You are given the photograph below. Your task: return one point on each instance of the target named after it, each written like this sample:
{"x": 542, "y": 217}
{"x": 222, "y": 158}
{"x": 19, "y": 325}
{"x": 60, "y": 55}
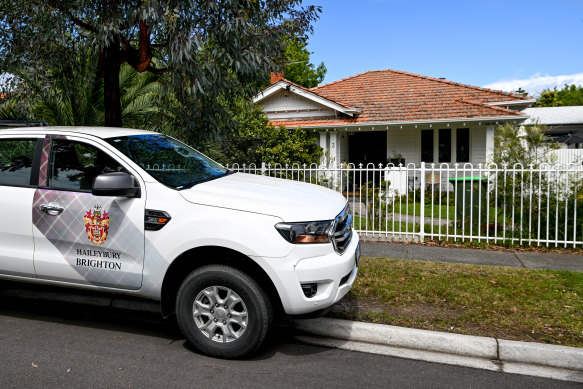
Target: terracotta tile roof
{"x": 396, "y": 96}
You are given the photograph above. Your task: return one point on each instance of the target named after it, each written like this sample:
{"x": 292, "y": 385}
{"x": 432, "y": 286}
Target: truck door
{"x": 81, "y": 238}
{"x": 17, "y": 189}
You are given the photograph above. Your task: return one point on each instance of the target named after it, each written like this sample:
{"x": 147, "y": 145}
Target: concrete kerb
{"x": 551, "y": 361}
{"x": 542, "y": 360}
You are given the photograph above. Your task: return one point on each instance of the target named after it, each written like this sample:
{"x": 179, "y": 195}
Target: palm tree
{"x": 10, "y": 110}
{"x": 76, "y": 98}
{"x": 140, "y": 93}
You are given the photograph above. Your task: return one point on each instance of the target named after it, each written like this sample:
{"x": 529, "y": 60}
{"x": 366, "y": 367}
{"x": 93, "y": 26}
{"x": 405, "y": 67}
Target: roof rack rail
{"x": 22, "y": 123}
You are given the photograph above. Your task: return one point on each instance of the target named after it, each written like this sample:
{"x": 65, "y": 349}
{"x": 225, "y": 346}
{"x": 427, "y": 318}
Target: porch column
{"x": 490, "y": 130}
{"x": 324, "y": 146}
{"x": 334, "y": 147}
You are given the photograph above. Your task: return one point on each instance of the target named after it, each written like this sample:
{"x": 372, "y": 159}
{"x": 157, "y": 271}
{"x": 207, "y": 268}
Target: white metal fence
{"x": 461, "y": 202}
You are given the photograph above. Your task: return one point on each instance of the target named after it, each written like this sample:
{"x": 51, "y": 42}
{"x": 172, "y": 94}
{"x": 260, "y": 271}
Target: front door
{"x": 81, "y": 238}
{"x": 368, "y": 147}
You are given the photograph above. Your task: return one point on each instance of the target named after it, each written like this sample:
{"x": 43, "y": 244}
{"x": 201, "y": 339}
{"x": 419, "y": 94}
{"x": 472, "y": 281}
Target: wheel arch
{"x": 197, "y": 257}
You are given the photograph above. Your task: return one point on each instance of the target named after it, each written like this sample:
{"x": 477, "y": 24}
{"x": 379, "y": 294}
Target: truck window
{"x": 16, "y": 157}
{"x": 169, "y": 161}
{"x": 74, "y": 165}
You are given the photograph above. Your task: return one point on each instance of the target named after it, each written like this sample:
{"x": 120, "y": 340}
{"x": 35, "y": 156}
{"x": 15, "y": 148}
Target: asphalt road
{"x": 59, "y": 344}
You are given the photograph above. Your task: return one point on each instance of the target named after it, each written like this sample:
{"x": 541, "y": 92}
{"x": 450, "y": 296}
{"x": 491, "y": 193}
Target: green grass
{"x": 360, "y": 224}
{"x": 399, "y": 227}
{"x": 415, "y": 209}
{"x": 522, "y": 304}
{"x": 447, "y": 211}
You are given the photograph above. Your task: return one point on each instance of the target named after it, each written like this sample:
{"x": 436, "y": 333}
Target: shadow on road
{"x": 52, "y": 304}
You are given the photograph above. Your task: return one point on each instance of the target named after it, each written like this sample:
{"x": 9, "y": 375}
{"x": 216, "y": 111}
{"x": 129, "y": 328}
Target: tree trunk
{"x": 111, "y": 93}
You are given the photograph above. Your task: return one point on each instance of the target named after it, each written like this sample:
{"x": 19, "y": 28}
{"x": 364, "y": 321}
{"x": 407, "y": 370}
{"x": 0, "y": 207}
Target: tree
{"x": 76, "y": 98}
{"x": 298, "y": 67}
{"x": 569, "y": 95}
{"x": 72, "y": 97}
{"x": 207, "y": 48}
{"x": 525, "y": 146}
{"x": 10, "y": 110}
{"x": 255, "y": 140}
{"x": 520, "y": 92}
{"x": 520, "y": 190}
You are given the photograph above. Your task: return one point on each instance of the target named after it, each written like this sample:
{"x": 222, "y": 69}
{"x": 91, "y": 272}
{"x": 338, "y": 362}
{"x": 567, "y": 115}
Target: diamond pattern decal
{"x": 118, "y": 261}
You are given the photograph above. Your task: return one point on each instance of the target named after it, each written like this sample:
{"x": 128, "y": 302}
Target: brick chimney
{"x": 276, "y": 77}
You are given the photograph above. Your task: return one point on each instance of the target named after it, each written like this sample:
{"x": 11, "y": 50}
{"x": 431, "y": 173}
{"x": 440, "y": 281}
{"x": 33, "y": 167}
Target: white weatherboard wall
{"x": 405, "y": 142}
{"x": 287, "y": 105}
{"x": 478, "y": 145}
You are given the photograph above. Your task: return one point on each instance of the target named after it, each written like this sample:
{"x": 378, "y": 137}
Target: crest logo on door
{"x": 96, "y": 225}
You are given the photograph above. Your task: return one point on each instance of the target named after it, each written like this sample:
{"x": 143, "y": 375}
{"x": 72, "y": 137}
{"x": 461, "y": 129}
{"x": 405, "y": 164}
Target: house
{"x": 393, "y": 116}
{"x": 565, "y": 124}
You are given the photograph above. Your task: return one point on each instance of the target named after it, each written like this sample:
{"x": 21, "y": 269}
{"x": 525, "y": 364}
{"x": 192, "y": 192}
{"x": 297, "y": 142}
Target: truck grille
{"x": 342, "y": 230}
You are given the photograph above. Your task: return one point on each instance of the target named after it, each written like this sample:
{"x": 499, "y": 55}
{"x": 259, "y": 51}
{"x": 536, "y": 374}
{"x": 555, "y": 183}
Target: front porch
{"x": 439, "y": 143}
{"x": 402, "y": 149}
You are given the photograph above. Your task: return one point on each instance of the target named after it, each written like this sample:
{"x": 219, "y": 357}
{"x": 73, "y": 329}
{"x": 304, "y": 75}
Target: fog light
{"x": 310, "y": 289}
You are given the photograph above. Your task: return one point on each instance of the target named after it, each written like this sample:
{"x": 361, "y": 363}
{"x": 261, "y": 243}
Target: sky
{"x": 501, "y": 44}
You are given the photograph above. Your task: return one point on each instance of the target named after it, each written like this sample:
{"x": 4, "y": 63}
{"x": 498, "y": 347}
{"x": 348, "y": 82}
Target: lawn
{"x": 388, "y": 225}
{"x": 521, "y": 304}
{"x": 447, "y": 212}
{"x": 385, "y": 225}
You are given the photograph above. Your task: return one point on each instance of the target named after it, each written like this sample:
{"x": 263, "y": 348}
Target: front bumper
{"x": 318, "y": 264}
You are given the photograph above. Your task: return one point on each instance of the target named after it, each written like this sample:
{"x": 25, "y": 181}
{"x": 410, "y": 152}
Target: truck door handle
{"x": 52, "y": 209}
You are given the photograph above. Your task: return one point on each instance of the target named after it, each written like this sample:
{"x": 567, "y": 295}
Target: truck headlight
{"x": 311, "y": 232}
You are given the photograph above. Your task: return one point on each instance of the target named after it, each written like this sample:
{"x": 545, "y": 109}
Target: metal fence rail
{"x": 523, "y": 205}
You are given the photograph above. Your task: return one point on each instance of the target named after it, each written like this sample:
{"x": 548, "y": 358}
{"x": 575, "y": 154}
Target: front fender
{"x": 250, "y": 234}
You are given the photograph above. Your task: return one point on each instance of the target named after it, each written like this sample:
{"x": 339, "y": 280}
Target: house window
{"x": 444, "y": 148}
{"x": 426, "y": 145}
{"x": 462, "y": 145}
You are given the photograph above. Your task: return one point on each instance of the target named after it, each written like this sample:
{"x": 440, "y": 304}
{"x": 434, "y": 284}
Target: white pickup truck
{"x": 140, "y": 213}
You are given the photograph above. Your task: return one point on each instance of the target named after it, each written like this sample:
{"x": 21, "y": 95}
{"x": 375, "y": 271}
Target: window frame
{"x": 87, "y": 142}
{"x": 453, "y": 144}
{"x": 432, "y": 149}
{"x": 441, "y": 131}
{"x": 469, "y": 144}
{"x": 34, "y": 171}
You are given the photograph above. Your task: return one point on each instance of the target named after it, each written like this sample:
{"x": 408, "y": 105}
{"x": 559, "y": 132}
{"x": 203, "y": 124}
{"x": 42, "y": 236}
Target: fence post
{"x": 263, "y": 170}
{"x": 422, "y": 205}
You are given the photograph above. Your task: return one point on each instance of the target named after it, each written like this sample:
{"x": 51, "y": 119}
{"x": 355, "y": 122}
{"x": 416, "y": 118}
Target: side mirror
{"x": 115, "y": 184}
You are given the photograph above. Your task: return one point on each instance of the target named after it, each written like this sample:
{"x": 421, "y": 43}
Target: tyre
{"x": 223, "y": 312}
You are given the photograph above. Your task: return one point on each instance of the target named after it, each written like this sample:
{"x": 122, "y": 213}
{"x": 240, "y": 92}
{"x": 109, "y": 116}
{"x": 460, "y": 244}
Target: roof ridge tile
{"x": 429, "y": 78}
{"x": 488, "y": 106}
{"x": 342, "y": 79}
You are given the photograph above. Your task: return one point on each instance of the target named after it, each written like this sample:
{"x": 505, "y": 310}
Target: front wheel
{"x": 223, "y": 312}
